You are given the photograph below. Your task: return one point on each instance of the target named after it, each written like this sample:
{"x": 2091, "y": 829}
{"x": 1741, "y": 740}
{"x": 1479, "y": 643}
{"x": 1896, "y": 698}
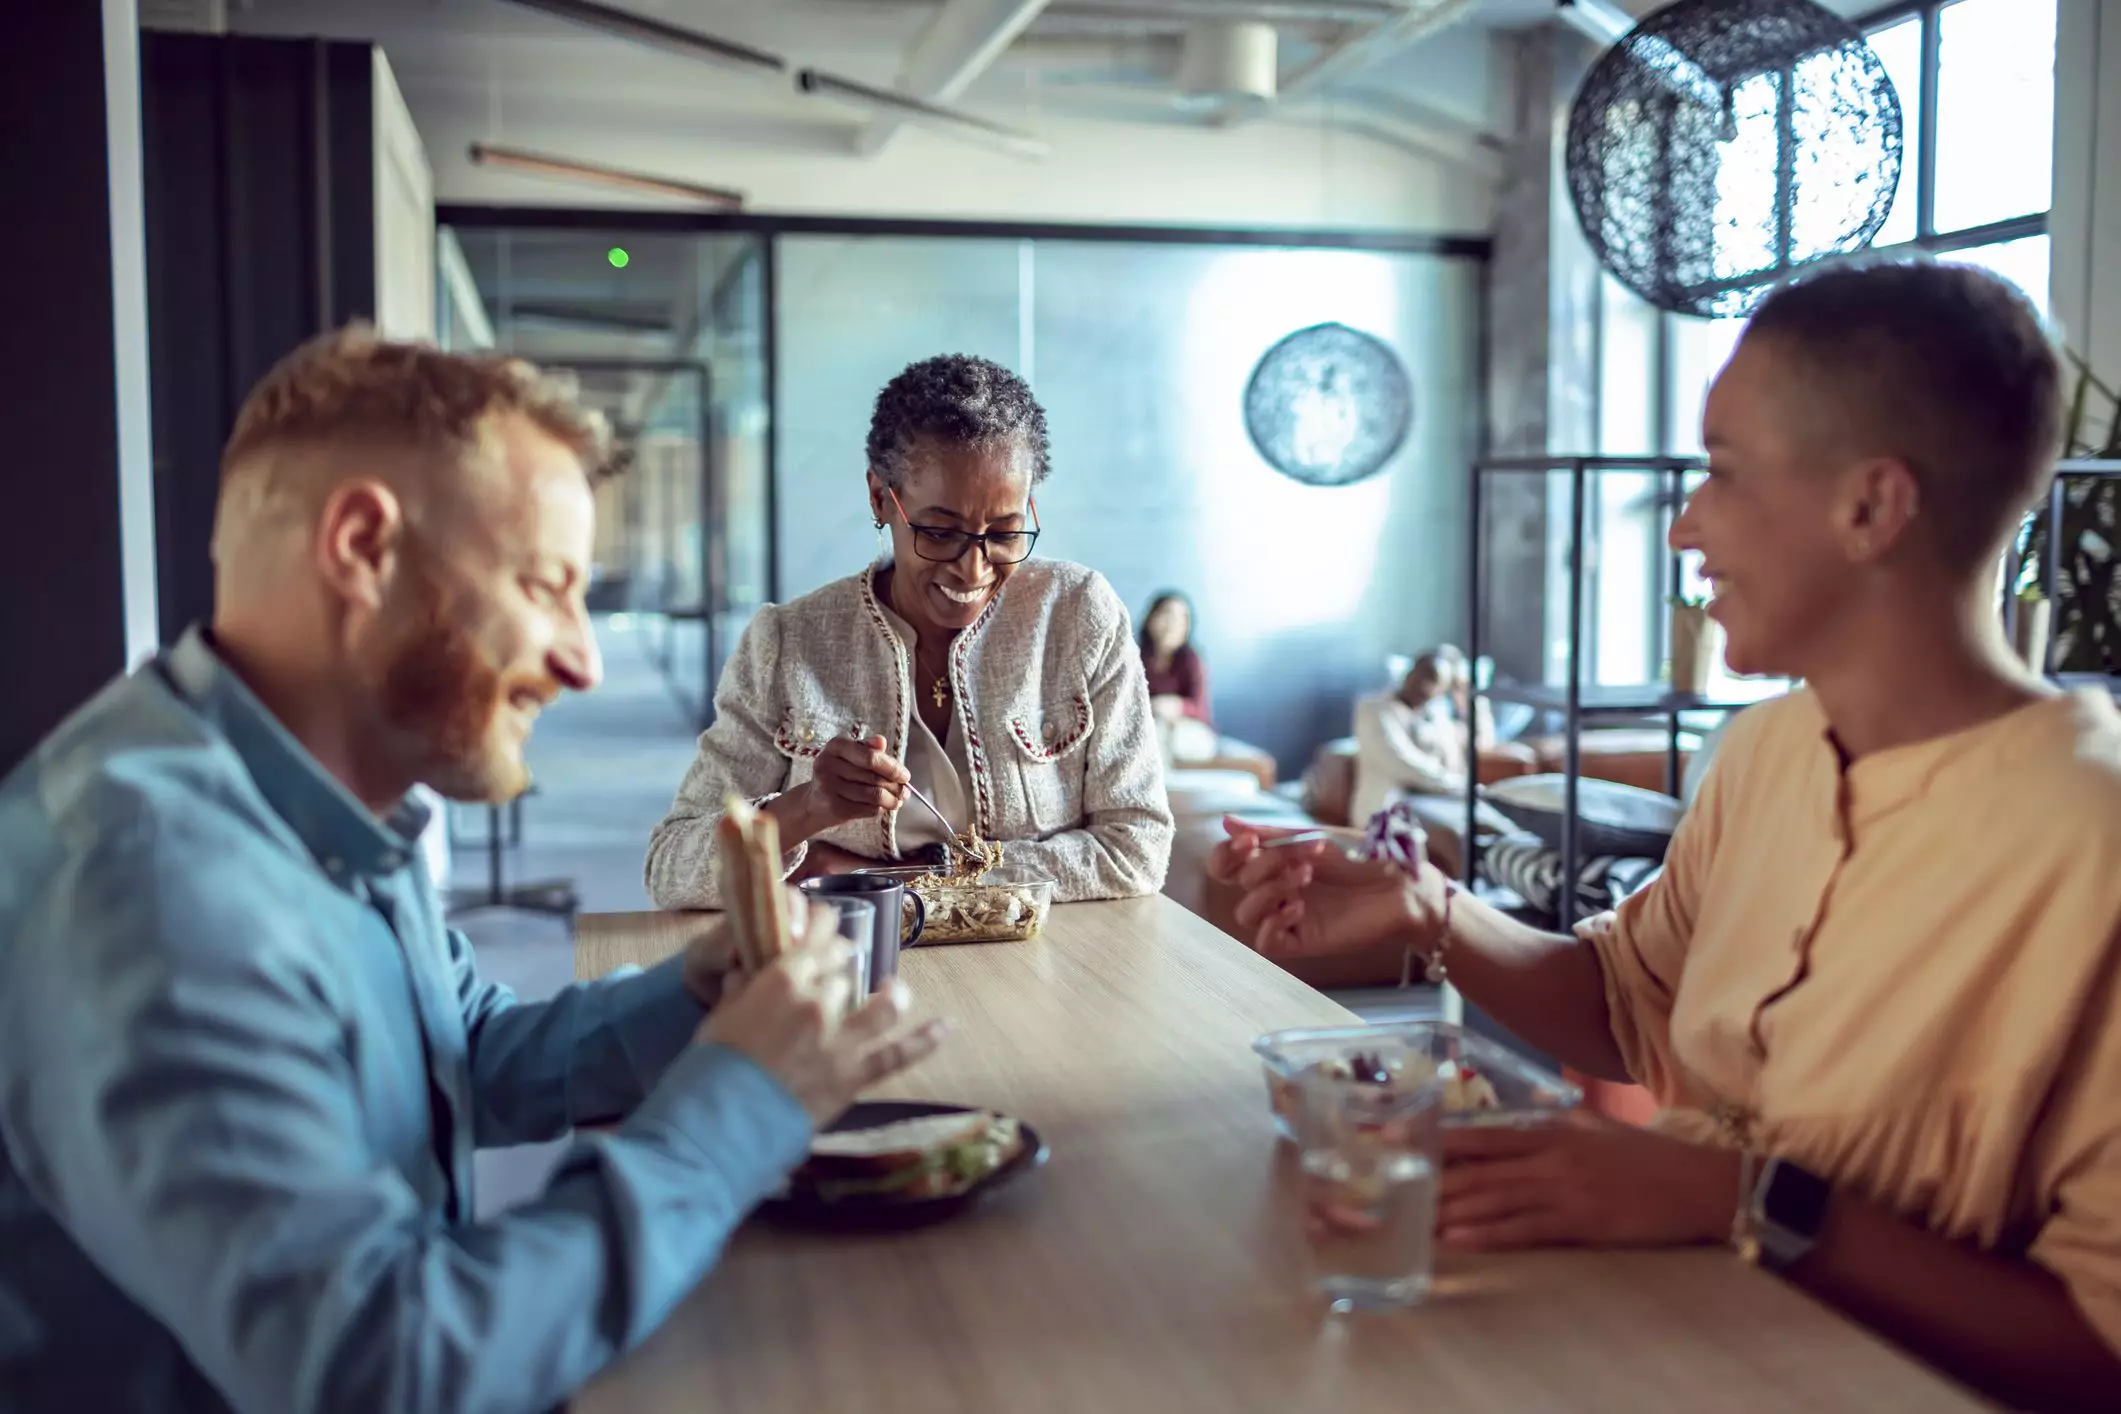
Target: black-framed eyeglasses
{"x": 941, "y": 544}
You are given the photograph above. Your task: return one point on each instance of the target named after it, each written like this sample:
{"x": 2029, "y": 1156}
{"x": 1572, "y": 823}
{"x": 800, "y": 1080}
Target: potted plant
{"x": 1697, "y": 643}
{"x": 2079, "y": 630}
{"x": 2031, "y": 620}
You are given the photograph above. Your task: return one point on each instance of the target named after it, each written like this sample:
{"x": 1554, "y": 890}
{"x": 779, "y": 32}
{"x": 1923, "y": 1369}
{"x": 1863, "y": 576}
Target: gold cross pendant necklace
{"x": 942, "y": 693}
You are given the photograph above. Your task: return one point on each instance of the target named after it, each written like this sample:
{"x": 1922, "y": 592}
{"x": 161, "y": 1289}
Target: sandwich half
{"x": 932, "y": 1156}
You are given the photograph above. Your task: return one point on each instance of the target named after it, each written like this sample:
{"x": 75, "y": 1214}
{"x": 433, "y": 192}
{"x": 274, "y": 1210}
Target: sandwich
{"x": 748, "y": 854}
{"x": 934, "y": 1156}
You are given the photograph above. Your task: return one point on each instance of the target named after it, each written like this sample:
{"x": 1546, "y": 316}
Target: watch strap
{"x": 1788, "y": 1211}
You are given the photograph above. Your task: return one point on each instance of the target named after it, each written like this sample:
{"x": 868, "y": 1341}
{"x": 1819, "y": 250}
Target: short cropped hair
{"x": 1943, "y": 367}
{"x": 353, "y": 387}
{"x": 959, "y": 400}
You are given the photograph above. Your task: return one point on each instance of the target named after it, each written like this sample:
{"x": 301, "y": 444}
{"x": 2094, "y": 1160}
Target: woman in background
{"x": 1178, "y": 679}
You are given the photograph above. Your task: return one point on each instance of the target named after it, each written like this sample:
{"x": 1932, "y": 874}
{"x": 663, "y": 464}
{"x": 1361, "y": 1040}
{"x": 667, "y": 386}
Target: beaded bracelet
{"x": 1395, "y": 837}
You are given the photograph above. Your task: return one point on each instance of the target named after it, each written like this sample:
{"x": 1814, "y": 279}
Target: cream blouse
{"x": 937, "y": 770}
{"x": 1903, "y": 974}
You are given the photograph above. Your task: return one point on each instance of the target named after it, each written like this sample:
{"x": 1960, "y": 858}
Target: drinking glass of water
{"x": 857, "y": 925}
{"x": 1371, "y": 1136}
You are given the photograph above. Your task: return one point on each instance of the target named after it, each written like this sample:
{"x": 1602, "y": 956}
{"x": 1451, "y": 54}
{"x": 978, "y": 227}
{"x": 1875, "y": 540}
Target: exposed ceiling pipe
{"x": 960, "y": 43}
{"x": 1278, "y": 12}
{"x": 1595, "y": 19}
{"x": 953, "y": 121}
{"x": 542, "y": 164}
{"x": 659, "y": 34}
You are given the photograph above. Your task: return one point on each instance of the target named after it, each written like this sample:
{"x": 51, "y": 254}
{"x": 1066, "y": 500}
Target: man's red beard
{"x": 442, "y": 691}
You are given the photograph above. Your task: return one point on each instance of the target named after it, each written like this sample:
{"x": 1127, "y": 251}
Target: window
{"x": 1976, "y": 80}
{"x": 1995, "y": 77}
{"x": 1899, "y": 47}
{"x": 1977, "y": 94}
{"x": 1624, "y": 524}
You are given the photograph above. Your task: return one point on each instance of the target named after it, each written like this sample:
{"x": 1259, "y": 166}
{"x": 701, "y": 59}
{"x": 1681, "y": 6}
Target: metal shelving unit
{"x": 1574, "y": 700}
{"x": 2082, "y": 468}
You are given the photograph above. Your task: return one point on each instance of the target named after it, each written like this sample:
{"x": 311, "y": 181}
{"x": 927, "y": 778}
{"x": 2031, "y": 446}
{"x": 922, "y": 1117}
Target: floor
{"x": 606, "y": 765}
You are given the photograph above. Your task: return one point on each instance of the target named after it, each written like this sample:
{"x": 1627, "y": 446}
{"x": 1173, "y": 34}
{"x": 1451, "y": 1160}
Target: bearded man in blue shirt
{"x": 244, "y": 1065}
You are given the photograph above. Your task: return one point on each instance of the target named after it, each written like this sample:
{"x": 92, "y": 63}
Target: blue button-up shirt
{"x": 243, "y": 1067}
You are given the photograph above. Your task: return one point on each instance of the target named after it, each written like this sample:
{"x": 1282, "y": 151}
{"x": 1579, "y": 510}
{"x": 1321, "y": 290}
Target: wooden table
{"x": 1155, "y": 1265}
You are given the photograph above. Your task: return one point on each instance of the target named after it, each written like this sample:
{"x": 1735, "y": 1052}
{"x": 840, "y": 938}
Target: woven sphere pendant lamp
{"x": 1722, "y": 144}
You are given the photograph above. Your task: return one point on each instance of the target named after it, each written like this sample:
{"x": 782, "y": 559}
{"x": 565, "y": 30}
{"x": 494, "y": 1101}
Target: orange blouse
{"x": 1903, "y": 974}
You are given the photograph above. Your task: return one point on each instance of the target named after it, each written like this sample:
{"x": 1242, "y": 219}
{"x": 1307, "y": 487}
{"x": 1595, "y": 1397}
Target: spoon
{"x": 949, "y": 830}
{"x": 860, "y": 732}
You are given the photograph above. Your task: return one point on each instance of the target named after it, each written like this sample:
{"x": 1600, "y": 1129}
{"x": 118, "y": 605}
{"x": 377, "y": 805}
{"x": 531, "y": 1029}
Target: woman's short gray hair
{"x": 959, "y": 399}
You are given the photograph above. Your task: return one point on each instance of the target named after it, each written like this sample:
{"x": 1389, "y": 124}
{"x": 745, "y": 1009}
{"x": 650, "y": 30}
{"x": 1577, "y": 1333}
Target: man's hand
{"x": 1579, "y": 1180}
{"x": 787, "y": 1019}
{"x": 1312, "y": 898}
{"x": 709, "y": 959}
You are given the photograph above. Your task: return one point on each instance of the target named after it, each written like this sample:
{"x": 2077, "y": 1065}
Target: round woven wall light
{"x": 1722, "y": 144}
{"x": 1329, "y": 405}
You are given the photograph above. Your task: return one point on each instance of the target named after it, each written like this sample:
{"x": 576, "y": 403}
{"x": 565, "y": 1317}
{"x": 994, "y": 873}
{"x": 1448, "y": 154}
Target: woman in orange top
{"x": 1877, "y": 989}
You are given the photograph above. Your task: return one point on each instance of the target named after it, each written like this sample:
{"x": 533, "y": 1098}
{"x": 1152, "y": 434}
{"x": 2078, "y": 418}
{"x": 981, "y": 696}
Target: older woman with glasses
{"x": 1007, "y": 690}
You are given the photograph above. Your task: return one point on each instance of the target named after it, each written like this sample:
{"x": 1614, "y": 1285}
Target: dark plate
{"x": 887, "y": 1214}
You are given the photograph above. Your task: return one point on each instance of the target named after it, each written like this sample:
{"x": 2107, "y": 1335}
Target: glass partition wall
{"x": 664, "y": 334}
{"x": 1140, "y": 347}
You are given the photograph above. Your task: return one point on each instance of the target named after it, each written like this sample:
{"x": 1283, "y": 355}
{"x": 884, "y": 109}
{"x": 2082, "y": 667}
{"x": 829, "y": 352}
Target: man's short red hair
{"x": 355, "y": 388}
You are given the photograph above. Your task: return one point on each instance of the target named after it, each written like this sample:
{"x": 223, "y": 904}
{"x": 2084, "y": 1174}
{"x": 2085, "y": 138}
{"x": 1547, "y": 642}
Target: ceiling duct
{"x": 1595, "y": 19}
{"x": 954, "y": 121}
{"x": 1229, "y": 64}
{"x": 659, "y": 34}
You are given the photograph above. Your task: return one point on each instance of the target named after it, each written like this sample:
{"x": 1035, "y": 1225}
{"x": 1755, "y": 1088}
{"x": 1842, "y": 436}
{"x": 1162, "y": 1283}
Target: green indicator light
{"x": 618, "y": 257}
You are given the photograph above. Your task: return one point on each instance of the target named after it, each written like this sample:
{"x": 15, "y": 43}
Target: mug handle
{"x": 920, "y": 918}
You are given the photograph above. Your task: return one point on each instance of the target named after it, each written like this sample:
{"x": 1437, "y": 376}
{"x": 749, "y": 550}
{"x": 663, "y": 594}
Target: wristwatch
{"x": 1786, "y": 1211}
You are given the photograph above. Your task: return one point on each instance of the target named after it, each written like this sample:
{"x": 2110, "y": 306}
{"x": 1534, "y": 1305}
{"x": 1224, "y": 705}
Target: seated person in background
{"x": 1007, "y": 689}
{"x": 1413, "y": 741}
{"x": 1178, "y": 681}
{"x": 1877, "y": 988}
{"x": 243, "y": 1065}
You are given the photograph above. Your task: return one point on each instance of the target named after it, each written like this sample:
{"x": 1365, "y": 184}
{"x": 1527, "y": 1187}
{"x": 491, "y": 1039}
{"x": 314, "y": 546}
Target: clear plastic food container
{"x": 1483, "y": 1083}
{"x": 1004, "y": 906}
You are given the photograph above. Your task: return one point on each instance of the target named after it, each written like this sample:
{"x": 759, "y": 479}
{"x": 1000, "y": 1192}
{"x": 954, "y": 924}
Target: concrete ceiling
{"x": 486, "y": 66}
{"x": 496, "y": 65}
{"x": 483, "y": 67}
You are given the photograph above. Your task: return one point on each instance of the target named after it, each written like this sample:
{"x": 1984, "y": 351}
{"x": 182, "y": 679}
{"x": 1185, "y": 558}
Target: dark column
{"x": 77, "y": 603}
{"x": 260, "y": 218}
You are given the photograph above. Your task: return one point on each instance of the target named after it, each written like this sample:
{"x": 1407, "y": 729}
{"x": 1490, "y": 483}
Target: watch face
{"x": 1794, "y": 1200}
